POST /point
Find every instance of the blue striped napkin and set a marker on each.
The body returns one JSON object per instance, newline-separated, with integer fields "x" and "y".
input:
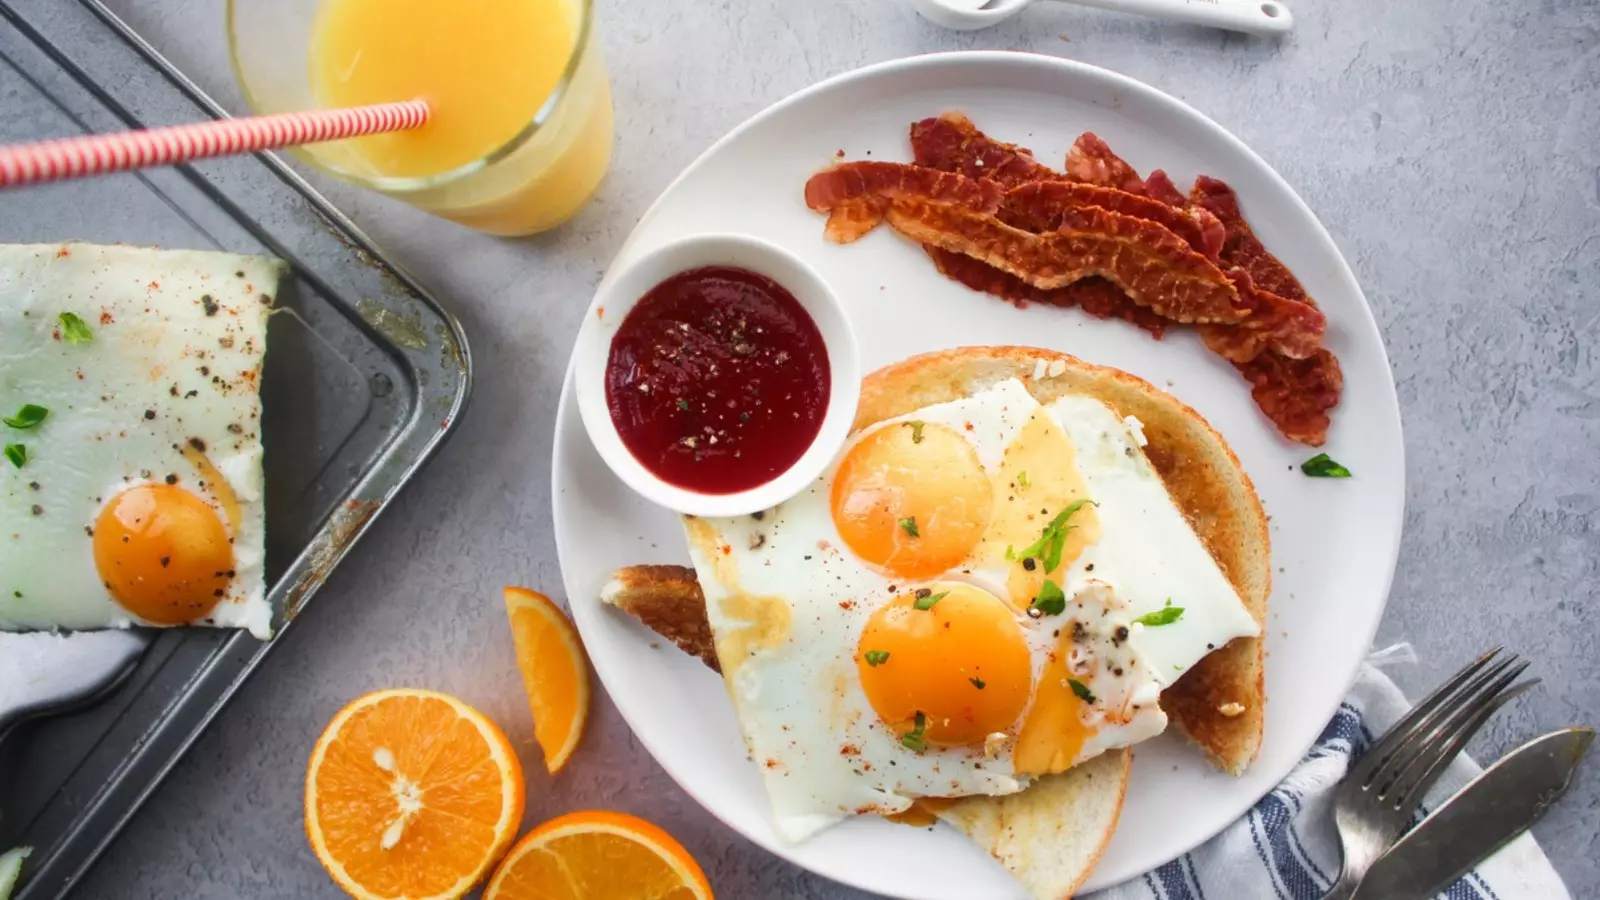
{"x": 1286, "y": 846}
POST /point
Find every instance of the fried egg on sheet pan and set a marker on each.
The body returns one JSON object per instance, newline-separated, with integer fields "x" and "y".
{"x": 135, "y": 496}
{"x": 977, "y": 593}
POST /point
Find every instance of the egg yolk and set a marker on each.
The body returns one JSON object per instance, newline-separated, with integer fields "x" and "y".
{"x": 163, "y": 553}
{"x": 912, "y": 498}
{"x": 962, "y": 662}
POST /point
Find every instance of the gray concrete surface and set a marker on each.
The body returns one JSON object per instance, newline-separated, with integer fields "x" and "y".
{"x": 1452, "y": 147}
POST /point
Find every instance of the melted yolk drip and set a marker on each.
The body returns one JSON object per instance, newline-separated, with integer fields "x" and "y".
{"x": 1054, "y": 733}
{"x": 1038, "y": 477}
{"x": 766, "y": 620}
{"x": 923, "y": 812}
{"x": 963, "y": 663}
{"x": 163, "y": 553}
{"x": 211, "y": 479}
{"x": 912, "y": 498}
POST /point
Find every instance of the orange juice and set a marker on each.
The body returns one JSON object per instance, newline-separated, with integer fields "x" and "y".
{"x": 488, "y": 69}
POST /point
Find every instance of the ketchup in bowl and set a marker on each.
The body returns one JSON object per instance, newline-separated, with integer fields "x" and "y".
{"x": 717, "y": 380}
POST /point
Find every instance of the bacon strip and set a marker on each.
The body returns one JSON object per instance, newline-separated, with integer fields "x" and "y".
{"x": 1095, "y": 296}
{"x": 1038, "y": 207}
{"x": 951, "y": 143}
{"x": 1153, "y": 265}
{"x": 1275, "y": 323}
{"x": 1242, "y": 248}
{"x": 1296, "y": 394}
{"x": 1091, "y": 160}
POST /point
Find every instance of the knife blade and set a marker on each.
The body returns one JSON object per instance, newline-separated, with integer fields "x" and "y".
{"x": 1501, "y": 803}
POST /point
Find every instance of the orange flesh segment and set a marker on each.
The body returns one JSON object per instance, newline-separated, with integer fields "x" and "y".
{"x": 411, "y": 794}
{"x": 598, "y": 856}
{"x": 554, "y": 672}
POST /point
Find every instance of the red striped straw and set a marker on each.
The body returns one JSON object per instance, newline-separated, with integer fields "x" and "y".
{"x": 97, "y": 154}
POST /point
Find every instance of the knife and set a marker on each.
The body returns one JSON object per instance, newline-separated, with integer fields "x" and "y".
{"x": 1501, "y": 803}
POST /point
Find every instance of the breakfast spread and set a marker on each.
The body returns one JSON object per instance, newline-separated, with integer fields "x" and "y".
{"x": 1104, "y": 239}
{"x": 717, "y": 380}
{"x": 132, "y": 489}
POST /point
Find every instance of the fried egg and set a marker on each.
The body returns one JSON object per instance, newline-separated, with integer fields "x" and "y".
{"x": 977, "y": 593}
{"x": 131, "y": 488}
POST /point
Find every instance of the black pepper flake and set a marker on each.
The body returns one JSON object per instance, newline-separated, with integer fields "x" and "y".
{"x": 1120, "y": 635}
{"x": 239, "y": 274}
{"x": 33, "y": 485}
{"x": 1079, "y": 632}
{"x": 1089, "y": 567}
{"x": 1029, "y": 564}
{"x": 235, "y": 428}
{"x": 759, "y": 514}
{"x": 217, "y": 593}
{"x": 166, "y": 561}
{"x": 205, "y": 370}
{"x": 923, "y": 592}
{"x": 149, "y": 414}
{"x": 191, "y": 394}
{"x": 172, "y": 479}
{"x": 197, "y": 444}
{"x": 209, "y": 305}
{"x": 38, "y": 510}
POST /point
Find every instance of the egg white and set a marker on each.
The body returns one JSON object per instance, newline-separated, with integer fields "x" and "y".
{"x": 176, "y": 354}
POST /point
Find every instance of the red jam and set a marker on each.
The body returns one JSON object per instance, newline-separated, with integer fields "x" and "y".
{"x": 717, "y": 380}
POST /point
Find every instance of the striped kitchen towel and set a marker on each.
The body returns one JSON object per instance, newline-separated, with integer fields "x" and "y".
{"x": 1286, "y": 846}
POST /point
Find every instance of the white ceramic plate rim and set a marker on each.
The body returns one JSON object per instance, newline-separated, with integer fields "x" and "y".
{"x": 1385, "y": 521}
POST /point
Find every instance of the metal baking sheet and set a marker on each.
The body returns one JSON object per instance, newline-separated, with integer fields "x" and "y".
{"x": 365, "y": 376}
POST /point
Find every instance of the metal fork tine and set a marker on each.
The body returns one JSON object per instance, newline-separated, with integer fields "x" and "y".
{"x": 1407, "y": 729}
{"x": 1430, "y": 774}
{"x": 1397, "y": 735}
{"x": 1450, "y": 719}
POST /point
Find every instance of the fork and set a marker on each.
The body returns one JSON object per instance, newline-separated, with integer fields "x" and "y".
{"x": 1387, "y": 784}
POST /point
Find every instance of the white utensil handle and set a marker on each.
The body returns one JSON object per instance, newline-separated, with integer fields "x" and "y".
{"x": 1250, "y": 16}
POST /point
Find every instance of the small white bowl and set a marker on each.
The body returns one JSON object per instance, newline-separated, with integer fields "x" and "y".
{"x": 617, "y": 298}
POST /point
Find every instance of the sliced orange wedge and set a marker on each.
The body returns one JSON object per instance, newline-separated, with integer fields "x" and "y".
{"x": 411, "y": 794}
{"x": 598, "y": 856}
{"x": 554, "y": 671}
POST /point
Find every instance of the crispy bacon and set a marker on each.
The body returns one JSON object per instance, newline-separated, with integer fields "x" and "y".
{"x": 1091, "y": 160}
{"x": 1095, "y": 296}
{"x": 1037, "y": 207}
{"x": 951, "y": 143}
{"x": 857, "y": 194}
{"x": 1296, "y": 394}
{"x": 1242, "y": 248}
{"x": 1160, "y": 187}
{"x": 1275, "y": 323}
{"x": 1155, "y": 267}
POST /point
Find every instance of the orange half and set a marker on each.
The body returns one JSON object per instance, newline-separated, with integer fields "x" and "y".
{"x": 554, "y": 671}
{"x": 598, "y": 855}
{"x": 411, "y": 795}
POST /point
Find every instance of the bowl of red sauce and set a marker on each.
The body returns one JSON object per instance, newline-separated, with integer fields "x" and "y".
{"x": 717, "y": 375}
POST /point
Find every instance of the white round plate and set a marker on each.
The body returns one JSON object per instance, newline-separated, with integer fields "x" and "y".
{"x": 1334, "y": 541}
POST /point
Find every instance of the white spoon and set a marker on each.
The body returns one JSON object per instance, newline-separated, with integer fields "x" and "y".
{"x": 1251, "y": 16}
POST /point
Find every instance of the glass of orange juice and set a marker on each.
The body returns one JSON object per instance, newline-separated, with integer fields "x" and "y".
{"x": 520, "y": 132}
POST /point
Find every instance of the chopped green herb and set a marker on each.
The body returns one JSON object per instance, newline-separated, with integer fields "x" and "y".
{"x": 915, "y": 739}
{"x": 17, "y": 453}
{"x": 1048, "y": 548}
{"x": 1011, "y": 553}
{"x": 1022, "y": 479}
{"x": 909, "y": 526}
{"x": 683, "y": 405}
{"x": 27, "y": 417}
{"x": 1164, "y": 616}
{"x": 1323, "y": 466}
{"x": 74, "y": 330}
{"x": 916, "y": 432}
{"x": 977, "y": 683}
{"x": 876, "y": 658}
{"x": 926, "y": 601}
{"x": 1081, "y": 690}
{"x": 1051, "y": 601}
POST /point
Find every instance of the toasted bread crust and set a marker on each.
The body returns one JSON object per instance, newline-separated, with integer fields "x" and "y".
{"x": 668, "y": 600}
